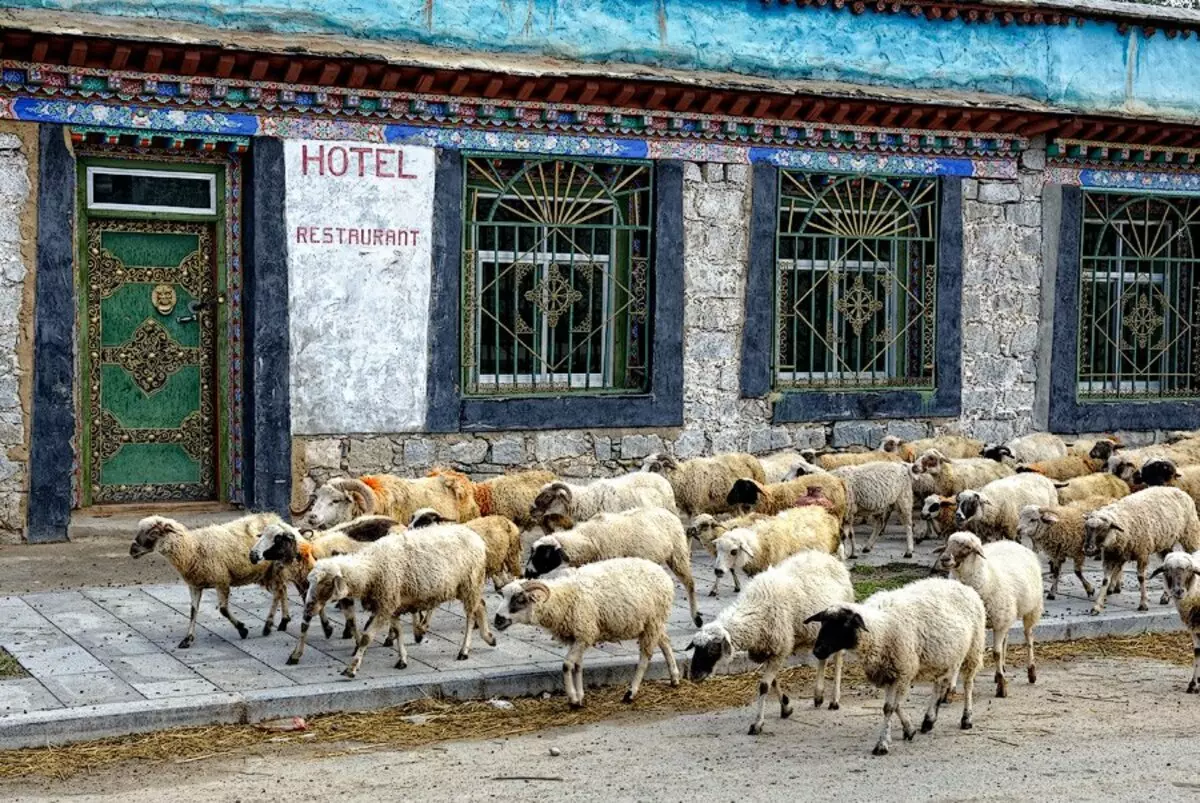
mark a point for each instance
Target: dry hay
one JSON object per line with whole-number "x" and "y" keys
{"x": 428, "y": 721}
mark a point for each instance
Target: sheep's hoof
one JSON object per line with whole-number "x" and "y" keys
{"x": 1143, "y": 607}
{"x": 283, "y": 623}
{"x": 908, "y": 735}
{"x": 489, "y": 639}
{"x": 698, "y": 620}
{"x": 834, "y": 706}
{"x": 267, "y": 629}
{"x": 880, "y": 750}
{"x": 401, "y": 664}
{"x": 785, "y": 709}
{"x": 926, "y": 725}
{"x": 713, "y": 593}
{"x": 418, "y": 638}
{"x": 389, "y": 641}
{"x": 243, "y": 631}
{"x": 187, "y": 642}
{"x": 1095, "y": 610}
{"x": 865, "y": 550}
{"x": 675, "y": 681}
{"x": 348, "y": 672}
{"x": 1031, "y": 673}
{"x": 628, "y": 698}
{"x": 1002, "y": 689}
{"x": 1193, "y": 688}
{"x": 818, "y": 702}
{"x": 1090, "y": 592}
{"x": 1164, "y": 599}
{"x": 293, "y": 660}
{"x": 573, "y": 705}
{"x": 908, "y": 554}
{"x": 462, "y": 656}
{"x": 966, "y": 723}
{"x": 328, "y": 630}
{"x": 755, "y": 729}
{"x": 1051, "y": 596}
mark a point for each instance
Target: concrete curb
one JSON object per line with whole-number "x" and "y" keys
{"x": 63, "y": 726}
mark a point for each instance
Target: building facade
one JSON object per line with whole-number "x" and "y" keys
{"x": 248, "y": 247}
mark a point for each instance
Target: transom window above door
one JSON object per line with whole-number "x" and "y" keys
{"x": 855, "y": 281}
{"x": 557, "y": 268}
{"x": 117, "y": 189}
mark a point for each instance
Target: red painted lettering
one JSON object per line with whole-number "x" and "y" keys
{"x": 319, "y": 158}
{"x": 380, "y": 163}
{"x": 389, "y": 237}
{"x": 414, "y": 233}
{"x": 340, "y": 151}
{"x": 328, "y": 235}
{"x": 400, "y": 168}
{"x": 301, "y": 234}
{"x": 361, "y": 153}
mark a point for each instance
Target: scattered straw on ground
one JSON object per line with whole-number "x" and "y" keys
{"x": 428, "y": 721}
{"x": 9, "y": 668}
{"x": 869, "y": 579}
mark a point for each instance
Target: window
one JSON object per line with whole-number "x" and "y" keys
{"x": 131, "y": 190}
{"x": 1138, "y": 297}
{"x": 855, "y": 281}
{"x": 556, "y": 276}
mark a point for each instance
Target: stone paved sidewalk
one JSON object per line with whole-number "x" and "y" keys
{"x": 104, "y": 661}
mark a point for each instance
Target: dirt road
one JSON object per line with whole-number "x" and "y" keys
{"x": 1091, "y": 729}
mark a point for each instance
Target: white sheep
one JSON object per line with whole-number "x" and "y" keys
{"x": 1181, "y": 573}
{"x": 1008, "y": 578}
{"x": 217, "y": 557}
{"x": 952, "y": 446}
{"x": 779, "y": 466}
{"x": 948, "y": 477}
{"x": 607, "y": 495}
{"x": 770, "y": 622}
{"x": 873, "y": 492}
{"x": 1057, "y": 531}
{"x": 1092, "y": 485}
{"x": 1028, "y": 448}
{"x": 1131, "y": 528}
{"x": 992, "y": 512}
{"x": 650, "y": 532}
{"x": 407, "y": 572}
{"x": 702, "y": 484}
{"x": 772, "y": 540}
{"x": 929, "y": 628}
{"x": 500, "y": 535}
{"x": 613, "y": 600}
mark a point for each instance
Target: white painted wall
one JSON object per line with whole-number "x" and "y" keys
{"x": 359, "y": 220}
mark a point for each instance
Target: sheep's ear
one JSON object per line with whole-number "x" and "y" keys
{"x": 948, "y": 503}
{"x": 939, "y": 549}
{"x": 1115, "y": 526}
{"x": 1156, "y": 572}
{"x": 749, "y": 552}
{"x": 1049, "y": 517}
{"x": 340, "y": 589}
{"x": 856, "y": 621}
{"x": 978, "y": 551}
{"x": 816, "y": 618}
{"x": 726, "y": 646}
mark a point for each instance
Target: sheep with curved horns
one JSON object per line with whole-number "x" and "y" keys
{"x": 612, "y": 600}
{"x": 700, "y": 485}
{"x": 608, "y": 495}
{"x": 770, "y": 622}
{"x": 217, "y": 557}
{"x": 950, "y": 446}
{"x": 1181, "y": 575}
{"x": 932, "y": 628}
{"x": 509, "y": 495}
{"x": 947, "y": 476}
{"x": 344, "y": 499}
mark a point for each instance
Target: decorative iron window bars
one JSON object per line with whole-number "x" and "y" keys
{"x": 1139, "y": 297}
{"x": 557, "y": 268}
{"x": 855, "y": 289}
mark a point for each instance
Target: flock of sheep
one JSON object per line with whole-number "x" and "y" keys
{"x": 594, "y": 556}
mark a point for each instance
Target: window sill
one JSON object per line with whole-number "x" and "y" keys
{"x": 569, "y": 412}
{"x": 798, "y": 406}
{"x": 1074, "y": 416}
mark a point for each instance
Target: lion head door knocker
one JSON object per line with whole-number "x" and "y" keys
{"x": 163, "y": 297}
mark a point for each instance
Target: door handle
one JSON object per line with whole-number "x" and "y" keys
{"x": 195, "y": 306}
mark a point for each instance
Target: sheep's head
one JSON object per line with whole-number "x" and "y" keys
{"x": 997, "y": 452}
{"x": 1179, "y": 571}
{"x": 840, "y": 629}
{"x": 339, "y": 501}
{"x": 1122, "y": 468}
{"x": 802, "y": 468}
{"x": 960, "y": 547}
{"x": 326, "y": 584}
{"x": 1098, "y": 527}
{"x": 970, "y": 506}
{"x": 891, "y": 443}
{"x": 150, "y": 531}
{"x": 1155, "y": 472}
{"x": 1103, "y": 449}
{"x": 554, "y": 497}
{"x": 545, "y": 556}
{"x": 1032, "y": 520}
{"x": 519, "y": 599}
{"x": 660, "y": 463}
{"x": 710, "y": 646}
{"x": 278, "y": 542}
{"x": 744, "y": 493}
{"x": 426, "y": 517}
{"x": 934, "y": 506}
{"x": 734, "y": 549}
{"x": 929, "y": 462}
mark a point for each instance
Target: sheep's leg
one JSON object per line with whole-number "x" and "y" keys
{"x": 1087, "y": 587}
{"x": 421, "y": 621}
{"x": 223, "y": 607}
{"x": 712, "y": 592}
{"x": 848, "y": 535}
{"x": 905, "y": 722}
{"x": 374, "y": 624}
{"x": 664, "y": 644}
{"x": 1113, "y": 573}
{"x": 765, "y": 681}
{"x": 819, "y": 684}
{"x": 884, "y": 743}
{"x": 999, "y": 647}
{"x": 568, "y": 683}
{"x": 877, "y": 525}
{"x": 285, "y": 618}
{"x": 968, "y": 699}
{"x": 481, "y": 623}
{"x": 1055, "y": 571}
{"x": 1031, "y": 669}
{"x": 397, "y": 627}
{"x": 1194, "y": 684}
{"x": 1143, "y": 603}
{"x": 931, "y": 713}
{"x": 305, "y": 621}
{"x": 577, "y": 678}
{"x": 646, "y": 645}
{"x": 573, "y": 674}
{"x": 269, "y": 623}
{"x": 347, "y": 608}
{"x": 1165, "y": 598}
{"x": 683, "y": 571}
{"x": 190, "y": 638}
{"x": 905, "y": 516}
{"x": 326, "y": 625}
{"x": 469, "y": 606}
{"x": 836, "y": 702}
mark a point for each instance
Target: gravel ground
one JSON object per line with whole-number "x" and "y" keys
{"x": 1091, "y": 728}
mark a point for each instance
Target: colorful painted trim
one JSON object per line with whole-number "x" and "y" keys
{"x": 1087, "y": 153}
{"x": 231, "y": 107}
{"x": 1186, "y": 183}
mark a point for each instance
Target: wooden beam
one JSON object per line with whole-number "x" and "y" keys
{"x": 762, "y": 107}
{"x": 294, "y": 70}
{"x": 1071, "y": 128}
{"x": 588, "y": 93}
{"x": 625, "y": 95}
{"x": 190, "y": 63}
{"x": 989, "y": 122}
{"x": 841, "y": 113}
{"x": 938, "y": 123}
{"x": 815, "y": 112}
{"x": 225, "y": 65}
{"x": 1013, "y": 123}
{"x": 40, "y": 48}
{"x": 258, "y": 70}
{"x": 154, "y": 59}
{"x": 1039, "y": 127}
{"x": 686, "y": 98}
{"x": 889, "y": 117}
{"x": 739, "y": 104}
{"x": 525, "y": 92}
{"x": 78, "y": 56}
{"x": 557, "y": 92}
{"x": 793, "y": 109}
{"x": 914, "y": 116}
{"x": 866, "y": 115}
{"x": 655, "y": 101}
{"x": 329, "y": 73}
{"x": 712, "y": 103}
{"x": 493, "y": 88}
{"x": 358, "y": 76}
{"x": 461, "y": 82}
{"x": 962, "y": 122}
{"x": 1093, "y": 131}
{"x": 120, "y": 57}
{"x": 1160, "y": 136}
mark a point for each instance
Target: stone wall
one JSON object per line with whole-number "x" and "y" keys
{"x": 18, "y": 238}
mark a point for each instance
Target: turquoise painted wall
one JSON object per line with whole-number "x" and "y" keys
{"x": 1086, "y": 68}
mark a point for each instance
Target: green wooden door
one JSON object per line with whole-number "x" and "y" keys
{"x": 151, "y": 300}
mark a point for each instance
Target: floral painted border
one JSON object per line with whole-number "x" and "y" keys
{"x": 1124, "y": 179}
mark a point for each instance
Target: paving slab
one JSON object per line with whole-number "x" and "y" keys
{"x": 105, "y": 661}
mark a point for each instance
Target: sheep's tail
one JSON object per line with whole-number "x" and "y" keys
{"x": 483, "y": 499}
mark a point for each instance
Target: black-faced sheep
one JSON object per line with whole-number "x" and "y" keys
{"x": 1029, "y": 448}
{"x": 930, "y": 628}
{"x": 613, "y": 600}
{"x": 770, "y": 622}
{"x": 217, "y": 557}
{"x": 938, "y": 514}
{"x": 992, "y": 511}
{"x": 750, "y": 496}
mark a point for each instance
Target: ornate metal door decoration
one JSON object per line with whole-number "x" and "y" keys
{"x": 151, "y": 427}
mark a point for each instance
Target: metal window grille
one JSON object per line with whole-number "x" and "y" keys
{"x": 856, "y": 266}
{"x": 557, "y": 271}
{"x": 1139, "y": 297}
